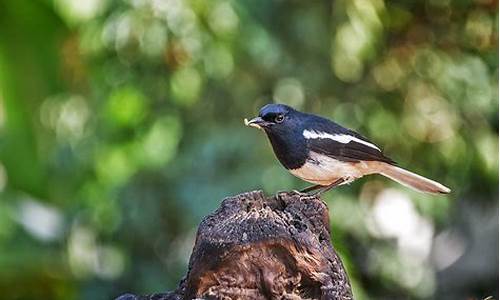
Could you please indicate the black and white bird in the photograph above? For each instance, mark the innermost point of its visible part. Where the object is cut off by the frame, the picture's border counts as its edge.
(322, 152)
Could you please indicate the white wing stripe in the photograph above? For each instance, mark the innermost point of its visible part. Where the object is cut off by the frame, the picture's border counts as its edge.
(341, 138)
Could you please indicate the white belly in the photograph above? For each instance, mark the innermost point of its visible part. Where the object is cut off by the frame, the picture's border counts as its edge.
(324, 170)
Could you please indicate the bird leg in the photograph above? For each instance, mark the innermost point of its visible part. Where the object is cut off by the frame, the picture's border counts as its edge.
(329, 187)
(311, 188)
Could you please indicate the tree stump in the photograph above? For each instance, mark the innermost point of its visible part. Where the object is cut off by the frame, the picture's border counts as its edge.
(257, 247)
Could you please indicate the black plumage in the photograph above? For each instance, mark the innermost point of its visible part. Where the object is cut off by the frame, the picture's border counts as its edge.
(292, 148)
(321, 151)
(351, 152)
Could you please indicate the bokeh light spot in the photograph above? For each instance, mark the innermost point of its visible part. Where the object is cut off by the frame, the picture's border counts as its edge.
(159, 144)
(126, 106)
(396, 217)
(110, 262)
(82, 251)
(429, 117)
(223, 19)
(72, 119)
(114, 164)
(289, 91)
(186, 86)
(219, 61)
(153, 40)
(388, 74)
(42, 221)
(478, 29)
(75, 11)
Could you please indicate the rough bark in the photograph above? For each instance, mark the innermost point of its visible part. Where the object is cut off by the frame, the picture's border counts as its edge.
(257, 247)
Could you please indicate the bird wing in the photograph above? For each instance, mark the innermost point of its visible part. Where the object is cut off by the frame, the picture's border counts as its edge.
(345, 145)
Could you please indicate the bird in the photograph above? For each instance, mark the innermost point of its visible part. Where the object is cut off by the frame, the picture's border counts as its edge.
(320, 151)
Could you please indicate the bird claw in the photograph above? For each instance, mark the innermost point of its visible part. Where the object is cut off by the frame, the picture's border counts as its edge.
(290, 192)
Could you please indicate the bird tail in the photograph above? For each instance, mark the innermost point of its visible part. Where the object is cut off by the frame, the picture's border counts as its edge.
(412, 180)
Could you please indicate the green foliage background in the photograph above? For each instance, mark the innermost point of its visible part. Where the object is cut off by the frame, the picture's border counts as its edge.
(121, 127)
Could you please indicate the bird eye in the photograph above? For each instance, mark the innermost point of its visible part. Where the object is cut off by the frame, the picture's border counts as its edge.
(279, 118)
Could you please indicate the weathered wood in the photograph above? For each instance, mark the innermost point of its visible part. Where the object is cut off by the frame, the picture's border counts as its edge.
(254, 247)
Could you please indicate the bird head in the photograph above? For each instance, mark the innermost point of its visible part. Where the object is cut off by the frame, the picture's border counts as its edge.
(272, 117)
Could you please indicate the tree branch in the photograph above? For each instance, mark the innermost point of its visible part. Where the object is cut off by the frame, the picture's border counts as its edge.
(254, 247)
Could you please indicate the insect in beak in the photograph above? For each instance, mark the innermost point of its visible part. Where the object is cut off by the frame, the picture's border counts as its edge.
(256, 122)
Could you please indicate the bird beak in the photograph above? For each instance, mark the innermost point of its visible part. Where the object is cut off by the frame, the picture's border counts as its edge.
(256, 122)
